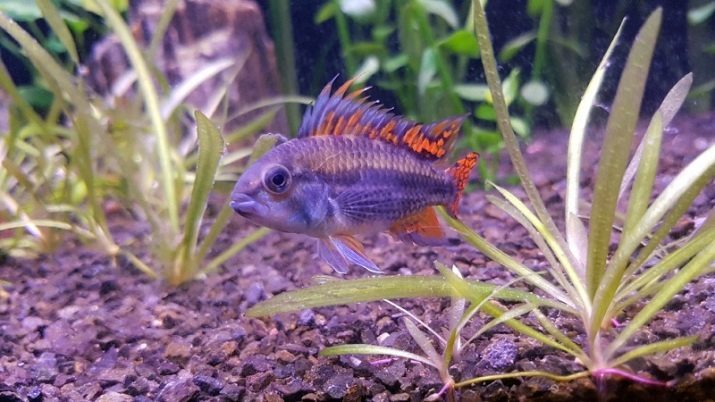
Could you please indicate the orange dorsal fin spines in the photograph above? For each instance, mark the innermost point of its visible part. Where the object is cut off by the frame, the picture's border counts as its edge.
(341, 112)
(460, 175)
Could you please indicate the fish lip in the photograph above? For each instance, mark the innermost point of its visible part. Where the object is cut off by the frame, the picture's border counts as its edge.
(244, 204)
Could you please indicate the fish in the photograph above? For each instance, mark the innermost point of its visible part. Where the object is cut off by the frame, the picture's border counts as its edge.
(356, 169)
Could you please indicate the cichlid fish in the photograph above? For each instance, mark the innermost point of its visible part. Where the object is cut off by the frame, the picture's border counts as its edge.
(355, 169)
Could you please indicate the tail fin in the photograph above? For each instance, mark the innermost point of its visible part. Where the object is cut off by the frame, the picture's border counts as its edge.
(460, 174)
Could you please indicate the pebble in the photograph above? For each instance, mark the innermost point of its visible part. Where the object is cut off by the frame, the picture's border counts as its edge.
(115, 397)
(208, 384)
(500, 354)
(178, 391)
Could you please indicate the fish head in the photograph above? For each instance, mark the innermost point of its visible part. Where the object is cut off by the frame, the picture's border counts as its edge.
(279, 193)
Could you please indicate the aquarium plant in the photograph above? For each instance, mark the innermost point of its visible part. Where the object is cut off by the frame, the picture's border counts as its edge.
(584, 279)
(87, 156)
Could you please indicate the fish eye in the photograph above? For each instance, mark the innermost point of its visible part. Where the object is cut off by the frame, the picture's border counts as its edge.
(276, 179)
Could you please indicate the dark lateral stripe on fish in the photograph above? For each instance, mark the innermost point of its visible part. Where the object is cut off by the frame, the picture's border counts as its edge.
(342, 113)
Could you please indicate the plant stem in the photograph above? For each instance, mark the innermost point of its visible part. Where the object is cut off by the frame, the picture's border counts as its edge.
(503, 122)
(283, 34)
(344, 37)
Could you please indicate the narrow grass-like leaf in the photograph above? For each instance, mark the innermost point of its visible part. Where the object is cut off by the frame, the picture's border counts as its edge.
(215, 230)
(672, 102)
(413, 317)
(180, 92)
(518, 374)
(552, 330)
(554, 265)
(491, 73)
(616, 146)
(211, 148)
(364, 349)
(250, 238)
(678, 195)
(653, 348)
(167, 13)
(647, 168)
(678, 209)
(36, 223)
(263, 144)
(692, 270)
(643, 282)
(510, 314)
(499, 256)
(151, 101)
(252, 127)
(58, 26)
(574, 227)
(377, 288)
(422, 341)
(550, 238)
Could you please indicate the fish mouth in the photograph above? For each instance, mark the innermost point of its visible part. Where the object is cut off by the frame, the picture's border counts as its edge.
(244, 204)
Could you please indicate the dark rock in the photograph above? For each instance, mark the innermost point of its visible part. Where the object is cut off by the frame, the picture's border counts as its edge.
(254, 293)
(233, 392)
(209, 385)
(255, 364)
(35, 394)
(306, 317)
(45, 368)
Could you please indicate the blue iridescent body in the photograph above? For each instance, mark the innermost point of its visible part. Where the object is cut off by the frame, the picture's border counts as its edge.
(355, 169)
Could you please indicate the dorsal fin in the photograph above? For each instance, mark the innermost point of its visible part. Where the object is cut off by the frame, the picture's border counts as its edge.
(343, 113)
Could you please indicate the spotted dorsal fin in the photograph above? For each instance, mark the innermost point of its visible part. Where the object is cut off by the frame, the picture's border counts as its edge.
(349, 113)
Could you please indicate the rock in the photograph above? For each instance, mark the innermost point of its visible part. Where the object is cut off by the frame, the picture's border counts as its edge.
(337, 386)
(179, 391)
(114, 397)
(45, 369)
(177, 350)
(209, 385)
(200, 32)
(256, 364)
(500, 354)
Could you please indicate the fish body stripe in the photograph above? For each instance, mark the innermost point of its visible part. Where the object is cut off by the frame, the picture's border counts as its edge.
(370, 180)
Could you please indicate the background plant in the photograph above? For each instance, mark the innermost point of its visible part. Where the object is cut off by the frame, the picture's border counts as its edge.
(63, 169)
(582, 279)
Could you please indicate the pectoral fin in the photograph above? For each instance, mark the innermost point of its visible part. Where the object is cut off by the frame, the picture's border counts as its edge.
(338, 251)
(422, 228)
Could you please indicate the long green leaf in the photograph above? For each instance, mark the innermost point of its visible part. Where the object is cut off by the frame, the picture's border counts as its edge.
(678, 196)
(54, 20)
(364, 349)
(423, 342)
(151, 101)
(647, 168)
(377, 288)
(504, 259)
(672, 102)
(491, 73)
(574, 227)
(692, 270)
(561, 254)
(653, 348)
(616, 146)
(211, 147)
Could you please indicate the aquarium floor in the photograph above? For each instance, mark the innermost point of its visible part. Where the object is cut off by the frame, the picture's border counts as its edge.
(78, 326)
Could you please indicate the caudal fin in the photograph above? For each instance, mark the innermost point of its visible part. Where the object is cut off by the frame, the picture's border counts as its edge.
(460, 174)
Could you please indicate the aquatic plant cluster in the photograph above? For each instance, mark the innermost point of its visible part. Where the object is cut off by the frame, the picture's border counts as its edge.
(64, 170)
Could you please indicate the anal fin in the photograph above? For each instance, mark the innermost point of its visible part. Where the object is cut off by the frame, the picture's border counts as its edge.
(339, 251)
(422, 228)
